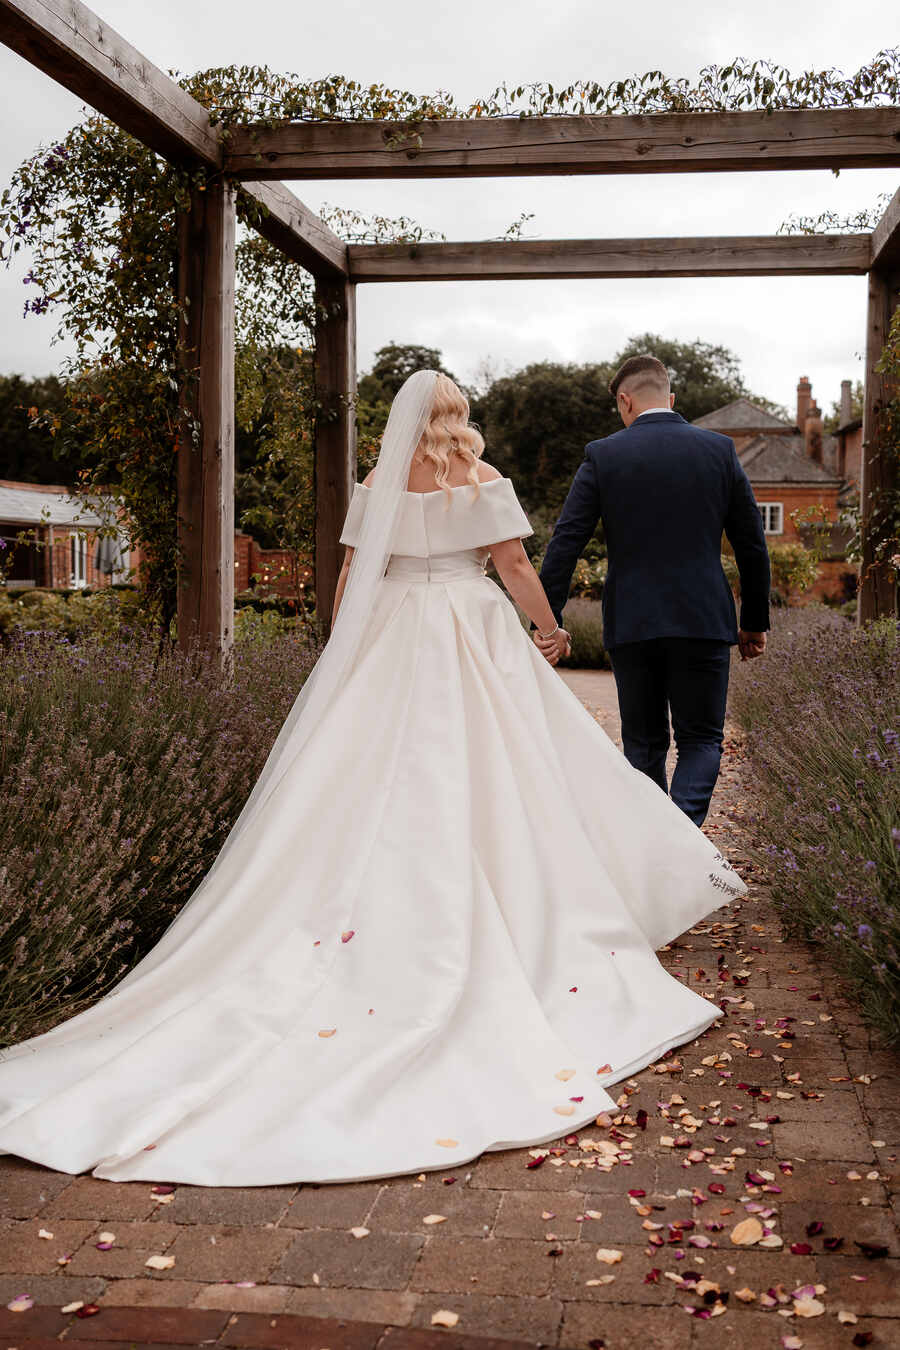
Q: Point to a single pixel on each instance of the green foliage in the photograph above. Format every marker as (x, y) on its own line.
(832, 222)
(101, 615)
(537, 422)
(703, 375)
(795, 568)
(27, 450)
(254, 93)
(393, 364)
(883, 528)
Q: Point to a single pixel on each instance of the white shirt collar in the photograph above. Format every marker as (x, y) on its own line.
(654, 410)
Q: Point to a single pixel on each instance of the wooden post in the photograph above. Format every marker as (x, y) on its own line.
(878, 589)
(335, 451)
(206, 440)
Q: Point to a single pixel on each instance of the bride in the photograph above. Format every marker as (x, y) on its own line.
(431, 930)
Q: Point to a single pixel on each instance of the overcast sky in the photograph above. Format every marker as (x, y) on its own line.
(779, 327)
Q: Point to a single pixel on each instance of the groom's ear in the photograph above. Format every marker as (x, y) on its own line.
(671, 400)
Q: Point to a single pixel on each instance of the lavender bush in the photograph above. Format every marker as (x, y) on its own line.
(122, 770)
(822, 713)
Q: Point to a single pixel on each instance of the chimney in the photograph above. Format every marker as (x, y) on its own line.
(804, 396)
(846, 403)
(813, 431)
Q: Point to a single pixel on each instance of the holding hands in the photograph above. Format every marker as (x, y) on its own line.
(553, 645)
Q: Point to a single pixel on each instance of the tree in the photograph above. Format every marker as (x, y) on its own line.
(393, 364)
(27, 451)
(704, 376)
(537, 421)
(536, 424)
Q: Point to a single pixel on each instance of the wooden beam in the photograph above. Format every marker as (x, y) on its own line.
(800, 138)
(335, 453)
(70, 43)
(738, 256)
(206, 442)
(878, 588)
(290, 225)
(886, 235)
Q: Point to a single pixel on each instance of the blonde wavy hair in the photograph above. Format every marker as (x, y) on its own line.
(448, 432)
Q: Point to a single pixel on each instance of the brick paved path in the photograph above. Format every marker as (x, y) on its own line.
(783, 1115)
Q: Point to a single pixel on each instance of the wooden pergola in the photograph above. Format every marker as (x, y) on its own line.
(68, 42)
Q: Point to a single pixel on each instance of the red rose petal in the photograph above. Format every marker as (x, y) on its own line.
(815, 1228)
(873, 1250)
(89, 1310)
(801, 1249)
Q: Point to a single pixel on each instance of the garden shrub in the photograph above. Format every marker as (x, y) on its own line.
(822, 716)
(123, 769)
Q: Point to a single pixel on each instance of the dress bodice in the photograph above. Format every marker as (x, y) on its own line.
(432, 523)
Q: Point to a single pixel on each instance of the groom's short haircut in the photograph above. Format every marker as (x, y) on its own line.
(638, 374)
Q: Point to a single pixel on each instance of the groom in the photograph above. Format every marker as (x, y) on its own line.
(665, 491)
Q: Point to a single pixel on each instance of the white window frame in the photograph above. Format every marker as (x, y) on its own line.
(772, 517)
(77, 560)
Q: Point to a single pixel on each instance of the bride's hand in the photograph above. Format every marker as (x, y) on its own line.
(554, 646)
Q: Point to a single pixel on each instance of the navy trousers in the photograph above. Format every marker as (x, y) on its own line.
(688, 676)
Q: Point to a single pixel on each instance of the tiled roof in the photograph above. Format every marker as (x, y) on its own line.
(741, 415)
(783, 459)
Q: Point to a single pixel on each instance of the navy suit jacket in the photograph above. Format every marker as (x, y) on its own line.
(665, 490)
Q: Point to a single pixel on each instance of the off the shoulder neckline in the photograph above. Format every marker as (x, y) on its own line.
(440, 491)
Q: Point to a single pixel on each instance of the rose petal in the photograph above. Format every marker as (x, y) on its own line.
(447, 1143)
(565, 1074)
(160, 1262)
(444, 1318)
(72, 1307)
(873, 1250)
(88, 1310)
(808, 1307)
(345, 937)
(746, 1233)
(608, 1256)
(435, 1218)
(42, 1233)
(21, 1303)
(360, 1231)
(329, 1032)
(800, 1249)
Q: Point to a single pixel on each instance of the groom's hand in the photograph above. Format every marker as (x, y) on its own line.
(751, 644)
(557, 645)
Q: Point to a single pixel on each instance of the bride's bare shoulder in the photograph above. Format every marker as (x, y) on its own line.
(487, 471)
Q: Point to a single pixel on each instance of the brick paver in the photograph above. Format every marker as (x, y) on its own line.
(784, 1113)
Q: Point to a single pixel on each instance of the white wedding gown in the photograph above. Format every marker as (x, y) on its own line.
(439, 939)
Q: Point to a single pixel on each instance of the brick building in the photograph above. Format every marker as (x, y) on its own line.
(64, 549)
(795, 466)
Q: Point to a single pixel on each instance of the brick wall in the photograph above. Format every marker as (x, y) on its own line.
(274, 568)
(794, 497)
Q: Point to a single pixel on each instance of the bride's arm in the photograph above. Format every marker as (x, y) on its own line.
(524, 585)
(341, 582)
